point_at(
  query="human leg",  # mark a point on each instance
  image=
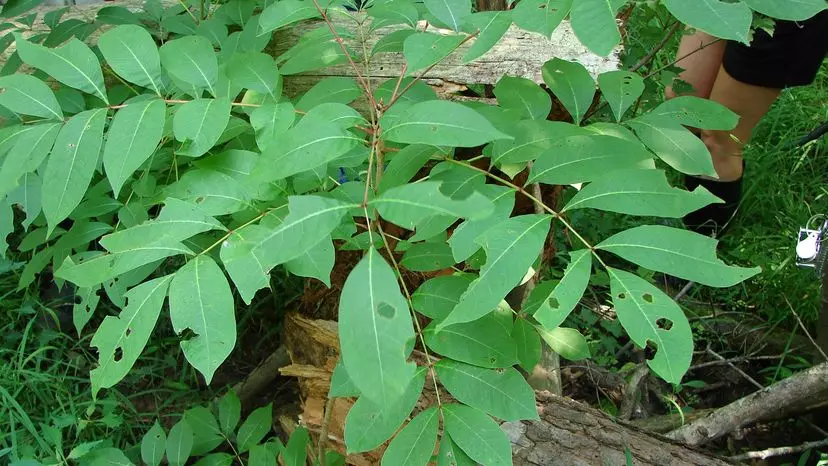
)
(700, 56)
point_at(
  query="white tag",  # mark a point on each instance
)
(807, 248)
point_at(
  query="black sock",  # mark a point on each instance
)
(711, 220)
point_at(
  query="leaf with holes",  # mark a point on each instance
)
(720, 19)
(696, 112)
(369, 425)
(640, 192)
(284, 13)
(73, 64)
(229, 410)
(132, 138)
(593, 22)
(577, 159)
(528, 344)
(23, 93)
(621, 89)
(541, 16)
(484, 342)
(82, 311)
(477, 434)
(572, 85)
(524, 96)
(451, 12)
(374, 329)
(424, 49)
(492, 26)
(503, 393)
(198, 125)
(410, 204)
(414, 444)
(427, 257)
(550, 304)
(179, 443)
(256, 71)
(120, 340)
(72, 164)
(191, 60)
(254, 428)
(650, 316)
(511, 248)
(567, 342)
(131, 52)
(153, 444)
(201, 301)
(680, 253)
(674, 144)
(27, 154)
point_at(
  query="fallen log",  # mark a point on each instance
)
(568, 433)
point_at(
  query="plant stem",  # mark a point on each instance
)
(230, 232)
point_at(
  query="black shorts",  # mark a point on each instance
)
(791, 57)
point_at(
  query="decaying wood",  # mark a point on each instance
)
(778, 400)
(569, 433)
(262, 376)
(490, 5)
(667, 422)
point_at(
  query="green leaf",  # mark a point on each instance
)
(437, 297)
(83, 449)
(28, 197)
(423, 49)
(206, 433)
(250, 253)
(393, 12)
(503, 393)
(86, 271)
(213, 29)
(511, 248)
(528, 344)
(179, 443)
(284, 13)
(369, 425)
(492, 26)
(14, 8)
(696, 112)
(374, 329)
(392, 42)
(524, 96)
(463, 239)
(72, 163)
(551, 306)
(567, 342)
(52, 18)
(216, 459)
(254, 428)
(236, 11)
(450, 12)
(340, 115)
(295, 452)
(415, 443)
(341, 384)
(680, 253)
(427, 257)
(198, 125)
(572, 85)
(593, 22)
(270, 121)
(418, 92)
(192, 60)
(317, 262)
(229, 410)
(68, 29)
(23, 93)
(798, 10)
(133, 135)
(484, 342)
(153, 444)
(201, 300)
(27, 154)
(410, 204)
(73, 64)
(533, 138)
(477, 434)
(256, 71)
(120, 340)
(450, 454)
(116, 15)
(640, 192)
(82, 311)
(577, 159)
(621, 89)
(330, 90)
(310, 144)
(541, 16)
(262, 455)
(313, 56)
(650, 316)
(405, 164)
(6, 225)
(724, 20)
(674, 144)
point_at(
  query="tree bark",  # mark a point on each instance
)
(491, 5)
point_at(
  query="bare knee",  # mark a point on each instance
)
(726, 153)
(669, 93)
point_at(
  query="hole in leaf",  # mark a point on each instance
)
(622, 296)
(128, 331)
(119, 354)
(78, 299)
(187, 334)
(499, 371)
(650, 350)
(542, 6)
(492, 359)
(386, 310)
(664, 323)
(553, 303)
(647, 297)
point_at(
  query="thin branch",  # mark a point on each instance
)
(692, 52)
(779, 451)
(807, 333)
(323, 434)
(664, 40)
